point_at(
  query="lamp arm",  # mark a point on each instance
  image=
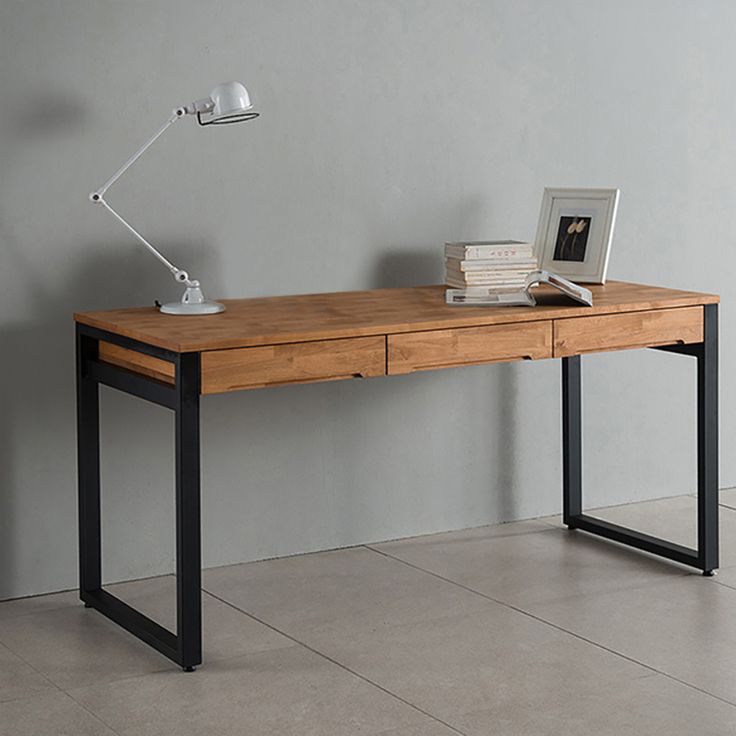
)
(172, 119)
(179, 275)
(98, 197)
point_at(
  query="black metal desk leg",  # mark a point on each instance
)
(185, 646)
(572, 440)
(88, 459)
(708, 442)
(705, 557)
(188, 543)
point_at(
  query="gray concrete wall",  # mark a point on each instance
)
(387, 128)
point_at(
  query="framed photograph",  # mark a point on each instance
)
(575, 232)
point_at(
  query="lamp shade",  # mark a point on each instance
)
(231, 105)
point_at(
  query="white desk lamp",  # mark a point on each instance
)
(227, 103)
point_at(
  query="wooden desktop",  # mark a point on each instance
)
(274, 341)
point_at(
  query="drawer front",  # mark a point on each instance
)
(276, 365)
(419, 351)
(633, 330)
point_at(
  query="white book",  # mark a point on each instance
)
(491, 264)
(522, 297)
(460, 283)
(488, 249)
(489, 275)
(492, 275)
(513, 298)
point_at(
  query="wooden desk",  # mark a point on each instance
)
(172, 361)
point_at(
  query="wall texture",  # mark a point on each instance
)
(387, 127)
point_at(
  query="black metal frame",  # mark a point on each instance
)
(185, 646)
(705, 557)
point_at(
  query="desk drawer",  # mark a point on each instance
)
(305, 362)
(632, 330)
(419, 351)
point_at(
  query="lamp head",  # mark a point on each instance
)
(229, 102)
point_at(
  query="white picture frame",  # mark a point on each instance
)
(575, 231)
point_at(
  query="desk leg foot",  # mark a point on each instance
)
(189, 669)
(709, 573)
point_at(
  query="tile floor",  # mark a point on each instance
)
(520, 628)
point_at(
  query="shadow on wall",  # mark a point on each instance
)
(43, 112)
(506, 420)
(37, 395)
(34, 391)
(36, 444)
(409, 268)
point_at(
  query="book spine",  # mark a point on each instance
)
(476, 252)
(460, 284)
(502, 264)
(501, 273)
(488, 275)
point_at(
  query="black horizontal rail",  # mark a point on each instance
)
(129, 382)
(129, 343)
(133, 621)
(632, 538)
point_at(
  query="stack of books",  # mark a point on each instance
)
(489, 267)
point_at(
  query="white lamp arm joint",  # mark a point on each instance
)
(98, 196)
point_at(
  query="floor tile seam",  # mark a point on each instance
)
(16, 616)
(731, 586)
(92, 713)
(169, 667)
(31, 695)
(580, 637)
(678, 574)
(28, 664)
(388, 626)
(428, 541)
(63, 591)
(558, 523)
(342, 666)
(173, 668)
(166, 665)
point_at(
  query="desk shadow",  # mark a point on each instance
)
(426, 266)
(36, 442)
(506, 428)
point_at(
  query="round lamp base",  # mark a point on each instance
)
(181, 308)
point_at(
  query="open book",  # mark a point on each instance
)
(484, 296)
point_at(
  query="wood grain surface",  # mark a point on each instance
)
(277, 365)
(417, 351)
(621, 331)
(291, 319)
